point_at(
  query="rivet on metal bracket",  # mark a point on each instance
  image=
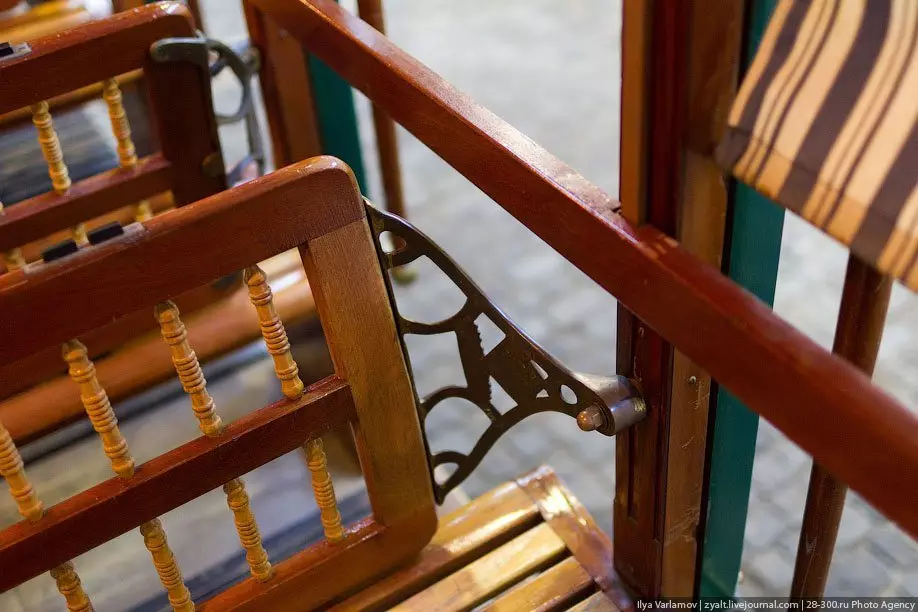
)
(533, 379)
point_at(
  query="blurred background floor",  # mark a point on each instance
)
(552, 69)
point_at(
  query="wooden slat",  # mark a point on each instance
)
(596, 603)
(776, 370)
(37, 217)
(569, 519)
(489, 521)
(531, 552)
(167, 249)
(553, 589)
(115, 506)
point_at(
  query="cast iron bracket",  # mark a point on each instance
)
(533, 379)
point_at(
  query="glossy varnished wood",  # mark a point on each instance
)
(770, 366)
(115, 506)
(464, 535)
(680, 61)
(553, 589)
(44, 214)
(254, 210)
(225, 325)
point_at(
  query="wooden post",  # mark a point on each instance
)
(99, 408)
(189, 372)
(83, 372)
(54, 156)
(679, 77)
(273, 332)
(121, 128)
(324, 490)
(861, 318)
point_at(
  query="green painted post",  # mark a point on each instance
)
(337, 118)
(755, 248)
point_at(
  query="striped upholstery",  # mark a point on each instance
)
(826, 124)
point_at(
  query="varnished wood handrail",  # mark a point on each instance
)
(116, 506)
(822, 403)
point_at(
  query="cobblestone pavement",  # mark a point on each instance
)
(552, 70)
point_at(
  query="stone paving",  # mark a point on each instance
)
(552, 70)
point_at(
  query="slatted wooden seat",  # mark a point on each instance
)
(526, 545)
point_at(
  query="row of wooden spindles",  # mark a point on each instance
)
(51, 149)
(99, 409)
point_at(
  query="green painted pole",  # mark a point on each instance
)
(755, 248)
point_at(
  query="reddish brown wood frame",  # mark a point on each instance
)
(314, 206)
(772, 367)
(180, 102)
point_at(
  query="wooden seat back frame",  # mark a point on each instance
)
(314, 205)
(183, 116)
(180, 102)
(772, 367)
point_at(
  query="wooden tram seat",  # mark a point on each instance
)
(522, 529)
(36, 396)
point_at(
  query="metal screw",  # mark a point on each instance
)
(693, 381)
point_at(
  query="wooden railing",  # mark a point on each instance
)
(771, 366)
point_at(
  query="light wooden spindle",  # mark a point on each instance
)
(273, 332)
(154, 538)
(189, 372)
(54, 156)
(98, 407)
(13, 471)
(121, 128)
(256, 556)
(31, 508)
(324, 490)
(13, 259)
(68, 583)
(188, 369)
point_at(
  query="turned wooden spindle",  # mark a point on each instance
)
(99, 408)
(13, 259)
(273, 332)
(154, 538)
(54, 156)
(31, 507)
(189, 372)
(121, 128)
(95, 401)
(238, 501)
(187, 367)
(68, 583)
(324, 490)
(12, 470)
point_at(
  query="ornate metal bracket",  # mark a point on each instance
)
(534, 380)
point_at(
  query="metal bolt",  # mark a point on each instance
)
(693, 380)
(590, 419)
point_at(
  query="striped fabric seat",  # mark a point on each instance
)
(826, 124)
